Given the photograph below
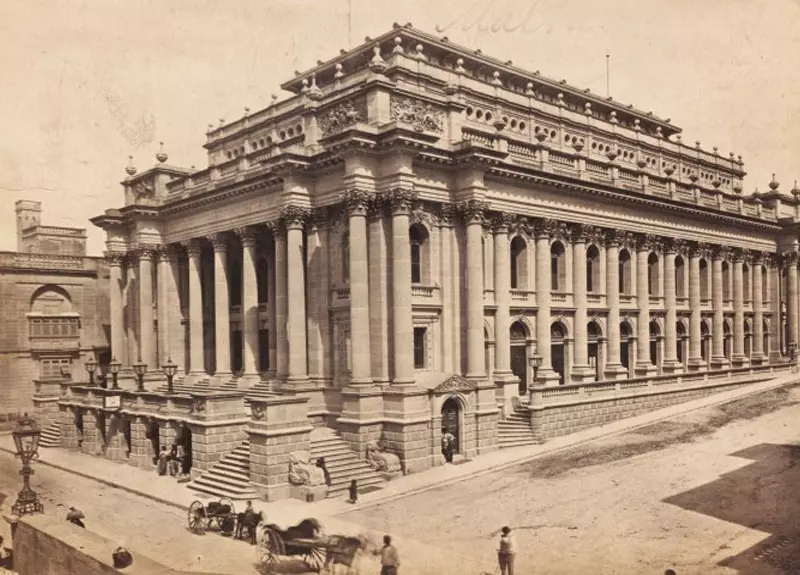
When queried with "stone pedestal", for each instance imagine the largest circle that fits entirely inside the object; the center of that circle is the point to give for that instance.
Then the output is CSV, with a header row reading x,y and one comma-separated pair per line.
x,y
362,413
69,432
45,402
217,422
278,428
91,441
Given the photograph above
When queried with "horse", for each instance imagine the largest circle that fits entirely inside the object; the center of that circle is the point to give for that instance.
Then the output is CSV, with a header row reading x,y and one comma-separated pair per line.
x,y
249,521
344,550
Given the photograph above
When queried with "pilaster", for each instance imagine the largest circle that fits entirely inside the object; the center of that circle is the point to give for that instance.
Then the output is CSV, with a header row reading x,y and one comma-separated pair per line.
x,y
402,320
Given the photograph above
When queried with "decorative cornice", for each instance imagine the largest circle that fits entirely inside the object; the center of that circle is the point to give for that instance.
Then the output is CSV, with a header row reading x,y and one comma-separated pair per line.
x,y
293,217
422,116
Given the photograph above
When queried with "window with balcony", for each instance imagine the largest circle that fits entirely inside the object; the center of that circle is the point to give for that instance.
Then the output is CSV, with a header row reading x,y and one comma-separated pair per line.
x,y
51,317
420,343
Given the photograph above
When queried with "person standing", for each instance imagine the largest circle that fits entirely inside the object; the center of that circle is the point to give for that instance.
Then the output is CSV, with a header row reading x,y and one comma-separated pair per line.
x,y
390,560
506,552
174,462
163,458
353,489
448,445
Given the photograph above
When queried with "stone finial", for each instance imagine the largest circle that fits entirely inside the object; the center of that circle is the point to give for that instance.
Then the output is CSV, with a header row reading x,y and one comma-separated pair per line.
x,y
314,93
377,64
161,156
398,46
561,102
445,39
679,139
274,98
338,75
529,89
659,134
496,79
637,125
130,169
222,121
796,191
587,108
716,150
697,144
304,89
774,185
420,55
460,67
613,119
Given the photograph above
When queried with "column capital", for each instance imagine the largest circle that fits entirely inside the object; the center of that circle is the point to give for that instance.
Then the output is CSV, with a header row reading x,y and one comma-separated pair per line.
x,y
293,217
584,233
193,247
740,255
318,218
549,228
115,258
448,214
648,242
503,223
790,258
758,257
612,238
723,253
247,235
700,250
145,252
473,211
400,200
219,241
772,260
357,201
676,246
167,253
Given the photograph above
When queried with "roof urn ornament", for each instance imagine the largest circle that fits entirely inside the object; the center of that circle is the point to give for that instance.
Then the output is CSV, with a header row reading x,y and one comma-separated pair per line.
x,y
130,169
377,64
669,169
398,46
338,75
161,156
314,93
529,90
774,185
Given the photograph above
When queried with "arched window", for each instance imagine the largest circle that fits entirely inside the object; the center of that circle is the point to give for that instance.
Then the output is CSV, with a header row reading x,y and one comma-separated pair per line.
x,y
705,336
654,333
680,277
652,275
519,263
727,340
703,279
726,281
764,284
345,246
418,236
680,336
557,267
765,342
746,287
592,269
625,272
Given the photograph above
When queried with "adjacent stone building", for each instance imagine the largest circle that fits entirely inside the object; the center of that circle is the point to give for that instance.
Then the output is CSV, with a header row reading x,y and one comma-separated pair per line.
x,y
389,248
54,308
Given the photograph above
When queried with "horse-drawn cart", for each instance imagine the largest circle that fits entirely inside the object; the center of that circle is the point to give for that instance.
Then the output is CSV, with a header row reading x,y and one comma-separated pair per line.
x,y
221,512
305,540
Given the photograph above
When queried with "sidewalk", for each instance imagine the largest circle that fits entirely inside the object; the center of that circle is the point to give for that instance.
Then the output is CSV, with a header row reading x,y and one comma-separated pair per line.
x,y
167,491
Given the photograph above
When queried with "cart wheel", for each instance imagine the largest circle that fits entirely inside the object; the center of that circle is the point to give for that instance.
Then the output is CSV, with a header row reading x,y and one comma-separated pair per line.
x,y
197,517
315,559
270,546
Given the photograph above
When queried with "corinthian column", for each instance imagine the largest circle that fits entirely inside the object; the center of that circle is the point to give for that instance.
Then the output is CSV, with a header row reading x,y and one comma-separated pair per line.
x,y
718,359
696,361
644,366
281,303
502,295
115,306
294,218
249,314
581,371
738,358
545,374
196,345
221,308
614,368
791,296
472,212
146,321
317,245
670,363
402,321
758,307
131,298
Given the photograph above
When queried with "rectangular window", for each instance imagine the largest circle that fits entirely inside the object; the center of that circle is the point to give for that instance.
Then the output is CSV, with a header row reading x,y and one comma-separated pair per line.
x,y
51,368
420,335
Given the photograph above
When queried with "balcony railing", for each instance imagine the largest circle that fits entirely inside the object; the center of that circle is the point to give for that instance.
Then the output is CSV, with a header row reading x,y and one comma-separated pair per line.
x,y
424,292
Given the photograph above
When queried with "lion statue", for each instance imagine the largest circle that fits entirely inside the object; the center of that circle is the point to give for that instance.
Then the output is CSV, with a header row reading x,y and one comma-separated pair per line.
x,y
380,459
303,472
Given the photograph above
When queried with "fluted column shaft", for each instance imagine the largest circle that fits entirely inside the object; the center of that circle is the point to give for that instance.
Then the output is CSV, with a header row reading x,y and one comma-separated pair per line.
x,y
580,368
502,282
643,299
146,343
115,307
696,318
281,305
670,329
791,297
758,312
402,321
272,307
718,336
296,300
614,366
476,359
316,266
250,353
131,300
738,309
543,279
196,344
222,308
163,277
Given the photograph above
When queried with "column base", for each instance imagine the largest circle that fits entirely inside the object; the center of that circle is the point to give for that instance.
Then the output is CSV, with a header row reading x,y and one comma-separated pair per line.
x,y
615,371
582,374
547,377
759,359
670,366
221,378
740,360
248,380
697,364
295,383
720,363
405,382
644,369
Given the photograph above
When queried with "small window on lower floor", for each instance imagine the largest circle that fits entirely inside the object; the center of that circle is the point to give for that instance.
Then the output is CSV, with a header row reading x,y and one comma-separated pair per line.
x,y
420,336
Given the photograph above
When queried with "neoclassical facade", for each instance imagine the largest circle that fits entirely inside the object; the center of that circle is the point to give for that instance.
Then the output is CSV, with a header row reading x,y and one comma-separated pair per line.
x,y
396,240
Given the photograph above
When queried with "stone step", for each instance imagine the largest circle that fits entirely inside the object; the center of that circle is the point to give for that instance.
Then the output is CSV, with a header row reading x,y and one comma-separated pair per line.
x,y
343,463
222,492
51,436
227,479
343,488
516,443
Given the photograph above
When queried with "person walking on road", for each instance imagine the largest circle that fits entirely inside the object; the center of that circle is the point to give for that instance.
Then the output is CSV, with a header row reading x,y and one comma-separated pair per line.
x,y
506,552
390,560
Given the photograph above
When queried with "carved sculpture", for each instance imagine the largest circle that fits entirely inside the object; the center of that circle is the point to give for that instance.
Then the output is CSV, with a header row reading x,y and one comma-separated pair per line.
x,y
341,116
380,459
421,115
303,472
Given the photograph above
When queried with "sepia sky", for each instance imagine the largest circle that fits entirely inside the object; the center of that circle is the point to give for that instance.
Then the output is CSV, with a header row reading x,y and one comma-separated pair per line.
x,y
84,84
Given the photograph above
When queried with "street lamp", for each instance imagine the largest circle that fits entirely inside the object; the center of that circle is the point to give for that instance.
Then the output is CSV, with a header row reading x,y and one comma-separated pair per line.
x,y
114,367
536,362
170,369
140,368
91,366
26,439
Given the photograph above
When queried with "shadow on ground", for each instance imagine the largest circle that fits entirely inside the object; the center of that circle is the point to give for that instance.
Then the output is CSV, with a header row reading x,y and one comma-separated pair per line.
x,y
762,496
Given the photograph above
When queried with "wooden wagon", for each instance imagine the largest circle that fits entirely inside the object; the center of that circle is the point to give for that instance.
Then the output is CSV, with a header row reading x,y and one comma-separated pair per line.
x,y
202,517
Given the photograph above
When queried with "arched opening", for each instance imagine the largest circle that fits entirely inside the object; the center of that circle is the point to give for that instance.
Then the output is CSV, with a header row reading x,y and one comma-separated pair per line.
x,y
52,318
705,341
764,284
519,358
418,237
625,335
625,285
185,443
726,281
748,338
558,277
652,275
765,339
557,335
154,435
593,334
655,340
519,263
451,412
703,279
344,247
127,434
681,341
680,277
593,269
746,283
727,339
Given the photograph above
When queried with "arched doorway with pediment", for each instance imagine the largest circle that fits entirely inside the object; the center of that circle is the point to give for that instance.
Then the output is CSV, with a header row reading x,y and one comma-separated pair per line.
x,y
519,354
558,334
451,421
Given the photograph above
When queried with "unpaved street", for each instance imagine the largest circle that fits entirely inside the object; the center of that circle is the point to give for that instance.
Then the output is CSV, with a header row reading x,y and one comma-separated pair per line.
x,y
682,494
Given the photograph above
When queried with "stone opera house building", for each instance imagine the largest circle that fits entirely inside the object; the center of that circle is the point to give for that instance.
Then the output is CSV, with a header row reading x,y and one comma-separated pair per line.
x,y
424,237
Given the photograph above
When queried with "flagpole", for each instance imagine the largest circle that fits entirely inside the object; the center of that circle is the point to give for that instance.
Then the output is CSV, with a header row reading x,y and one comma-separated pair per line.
x,y
349,23
608,75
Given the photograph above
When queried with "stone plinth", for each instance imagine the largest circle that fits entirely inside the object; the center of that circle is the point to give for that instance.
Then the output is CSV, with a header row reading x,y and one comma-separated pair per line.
x,y
308,493
45,401
407,426
278,428
361,419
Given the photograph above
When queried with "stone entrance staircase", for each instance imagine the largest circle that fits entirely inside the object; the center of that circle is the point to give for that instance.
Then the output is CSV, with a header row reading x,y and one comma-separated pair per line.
x,y
51,436
261,390
515,430
230,477
343,464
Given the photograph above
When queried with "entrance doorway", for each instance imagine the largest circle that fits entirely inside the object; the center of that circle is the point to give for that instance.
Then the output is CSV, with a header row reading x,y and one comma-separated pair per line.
x,y
593,338
519,355
79,426
154,435
625,333
557,335
450,417
185,441
126,433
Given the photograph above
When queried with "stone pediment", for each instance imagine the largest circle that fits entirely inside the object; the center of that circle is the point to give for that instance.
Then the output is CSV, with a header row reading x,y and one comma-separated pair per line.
x,y
440,383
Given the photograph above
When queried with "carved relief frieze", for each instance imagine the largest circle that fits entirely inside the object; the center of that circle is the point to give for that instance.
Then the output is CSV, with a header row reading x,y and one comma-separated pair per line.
x,y
422,116
342,115
144,189
455,383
